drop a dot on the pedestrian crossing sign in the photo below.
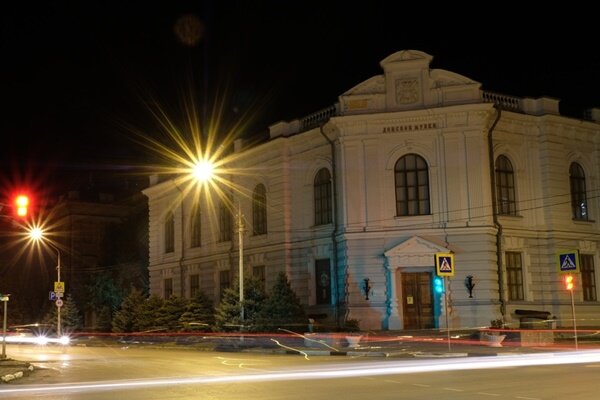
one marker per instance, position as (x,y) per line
(444,264)
(568,261)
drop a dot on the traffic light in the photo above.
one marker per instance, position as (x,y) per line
(21,205)
(569,282)
(438,285)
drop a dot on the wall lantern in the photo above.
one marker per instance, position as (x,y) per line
(366,288)
(470,285)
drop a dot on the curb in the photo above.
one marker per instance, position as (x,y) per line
(337,353)
(357,353)
(443,355)
(20,370)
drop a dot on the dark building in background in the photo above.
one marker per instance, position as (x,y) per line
(100,229)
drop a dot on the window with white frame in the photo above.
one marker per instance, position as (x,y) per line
(224,282)
(588,277)
(195,227)
(514,275)
(411,174)
(169,231)
(168,288)
(258,271)
(259,210)
(225,221)
(505,187)
(578,192)
(322,197)
(194,284)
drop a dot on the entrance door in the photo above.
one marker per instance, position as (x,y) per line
(417,300)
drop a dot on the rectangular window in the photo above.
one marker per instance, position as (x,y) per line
(224,282)
(514,275)
(196,228)
(224,222)
(170,233)
(323,198)
(194,284)
(588,277)
(323,281)
(258,272)
(168,288)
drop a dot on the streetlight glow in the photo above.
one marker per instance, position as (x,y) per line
(203,170)
(37,234)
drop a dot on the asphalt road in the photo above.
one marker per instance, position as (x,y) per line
(93,373)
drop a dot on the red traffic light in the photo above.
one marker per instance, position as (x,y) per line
(21,205)
(569,282)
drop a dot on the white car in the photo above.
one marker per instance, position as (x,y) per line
(33,334)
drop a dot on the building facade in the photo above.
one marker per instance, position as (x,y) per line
(355,201)
(99,238)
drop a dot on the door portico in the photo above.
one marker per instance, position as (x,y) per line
(410,266)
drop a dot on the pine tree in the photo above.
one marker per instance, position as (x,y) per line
(104,321)
(101,291)
(70,318)
(199,314)
(125,319)
(283,309)
(228,316)
(147,317)
(168,315)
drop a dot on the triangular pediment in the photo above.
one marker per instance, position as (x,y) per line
(408,83)
(415,246)
(413,57)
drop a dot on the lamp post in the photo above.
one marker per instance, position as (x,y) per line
(240,225)
(203,172)
(58,288)
(4,299)
(37,234)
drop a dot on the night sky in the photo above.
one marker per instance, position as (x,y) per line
(75,76)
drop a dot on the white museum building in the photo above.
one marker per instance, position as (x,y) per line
(354,202)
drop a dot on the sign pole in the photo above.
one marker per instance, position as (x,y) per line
(568,263)
(446,312)
(4,299)
(444,266)
(574,320)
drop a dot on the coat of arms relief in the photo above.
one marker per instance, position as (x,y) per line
(407,91)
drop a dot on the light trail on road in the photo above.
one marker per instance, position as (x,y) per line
(336,371)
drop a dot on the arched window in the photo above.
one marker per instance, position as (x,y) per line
(195,227)
(259,210)
(578,192)
(322,193)
(412,186)
(505,187)
(169,232)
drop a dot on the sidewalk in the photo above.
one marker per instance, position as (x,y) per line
(13,369)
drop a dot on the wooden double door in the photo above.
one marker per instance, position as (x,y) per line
(417,300)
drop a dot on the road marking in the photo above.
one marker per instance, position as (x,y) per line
(453,389)
(488,394)
(421,385)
